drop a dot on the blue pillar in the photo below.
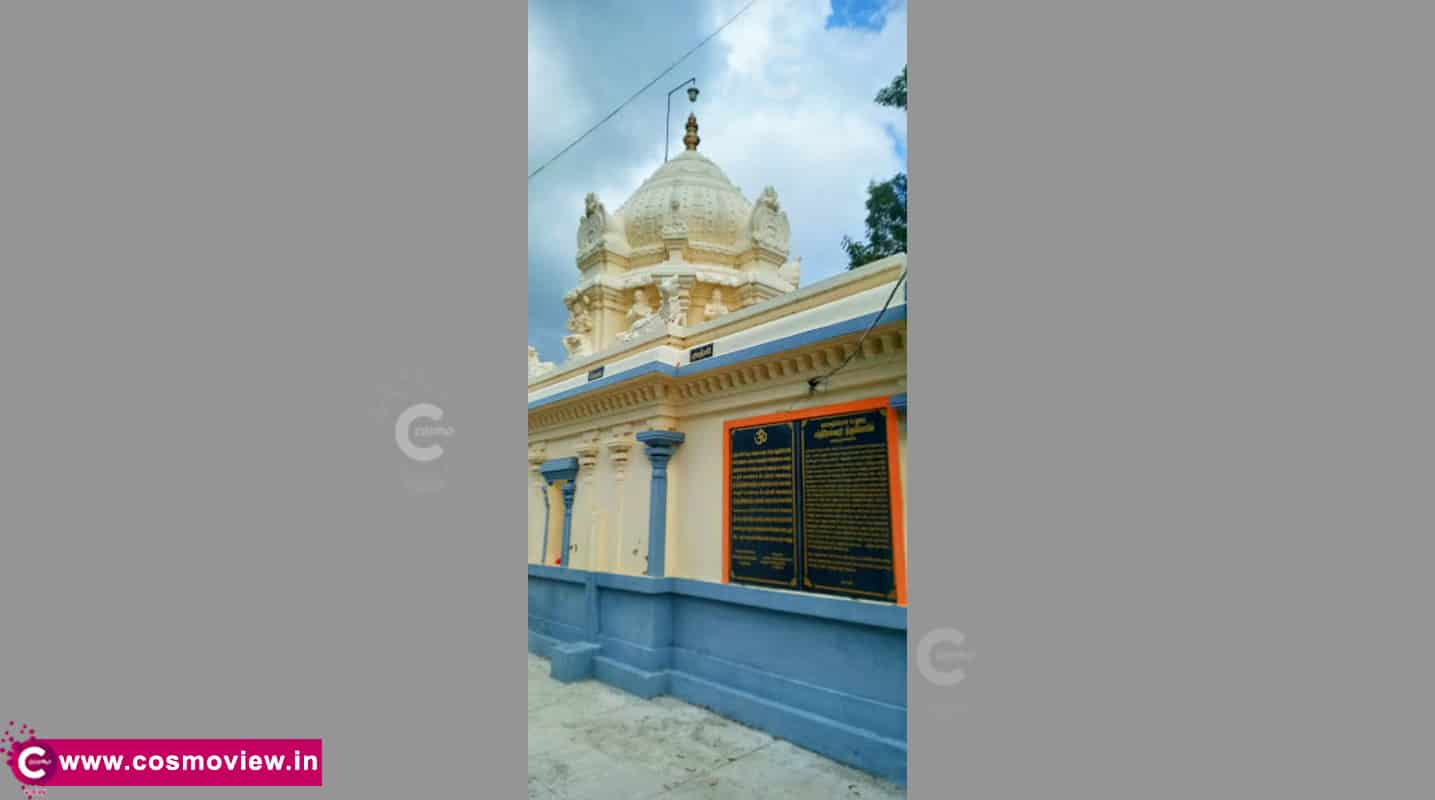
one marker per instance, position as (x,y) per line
(542,554)
(566,470)
(660,446)
(569,487)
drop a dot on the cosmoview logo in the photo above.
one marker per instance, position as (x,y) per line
(35,762)
(940,667)
(405,431)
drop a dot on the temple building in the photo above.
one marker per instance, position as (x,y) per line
(717,470)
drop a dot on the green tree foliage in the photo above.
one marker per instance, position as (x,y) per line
(886,201)
(886,223)
(895,94)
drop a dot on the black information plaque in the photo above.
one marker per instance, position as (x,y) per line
(762,505)
(846,506)
(810,505)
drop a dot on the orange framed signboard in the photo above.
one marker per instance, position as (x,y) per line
(812,502)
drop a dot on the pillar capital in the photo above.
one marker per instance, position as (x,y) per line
(559,469)
(663,422)
(660,444)
(588,457)
(618,451)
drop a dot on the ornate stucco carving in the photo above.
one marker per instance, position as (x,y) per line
(577,346)
(792,272)
(580,319)
(579,341)
(598,231)
(677,293)
(641,308)
(769,223)
(715,307)
(674,225)
(620,445)
(537,454)
(642,317)
(588,458)
(592,226)
(537,368)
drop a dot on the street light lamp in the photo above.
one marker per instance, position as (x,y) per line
(668,123)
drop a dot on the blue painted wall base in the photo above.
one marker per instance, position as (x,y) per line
(572,661)
(828,674)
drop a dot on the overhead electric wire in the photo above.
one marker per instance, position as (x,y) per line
(649,85)
(813,383)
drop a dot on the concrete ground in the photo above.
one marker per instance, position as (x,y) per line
(589,741)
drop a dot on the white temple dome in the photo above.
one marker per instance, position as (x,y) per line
(687,207)
(690,197)
(686,249)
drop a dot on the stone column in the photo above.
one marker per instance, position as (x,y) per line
(565,470)
(682,300)
(587,465)
(610,307)
(618,448)
(660,448)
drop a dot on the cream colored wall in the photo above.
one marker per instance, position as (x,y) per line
(610,506)
(633,548)
(695,501)
(610,511)
(555,523)
(585,508)
(536,489)
(535,523)
(606,519)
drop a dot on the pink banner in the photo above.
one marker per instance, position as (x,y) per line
(168,762)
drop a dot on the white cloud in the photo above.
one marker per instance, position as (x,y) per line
(785,102)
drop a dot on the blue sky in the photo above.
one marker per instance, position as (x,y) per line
(869,14)
(786,101)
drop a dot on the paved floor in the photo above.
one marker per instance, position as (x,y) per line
(589,741)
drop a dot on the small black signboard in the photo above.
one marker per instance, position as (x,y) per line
(700,353)
(846,506)
(762,505)
(595,373)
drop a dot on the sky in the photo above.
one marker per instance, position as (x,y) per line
(786,101)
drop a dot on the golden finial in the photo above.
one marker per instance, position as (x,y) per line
(691,140)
